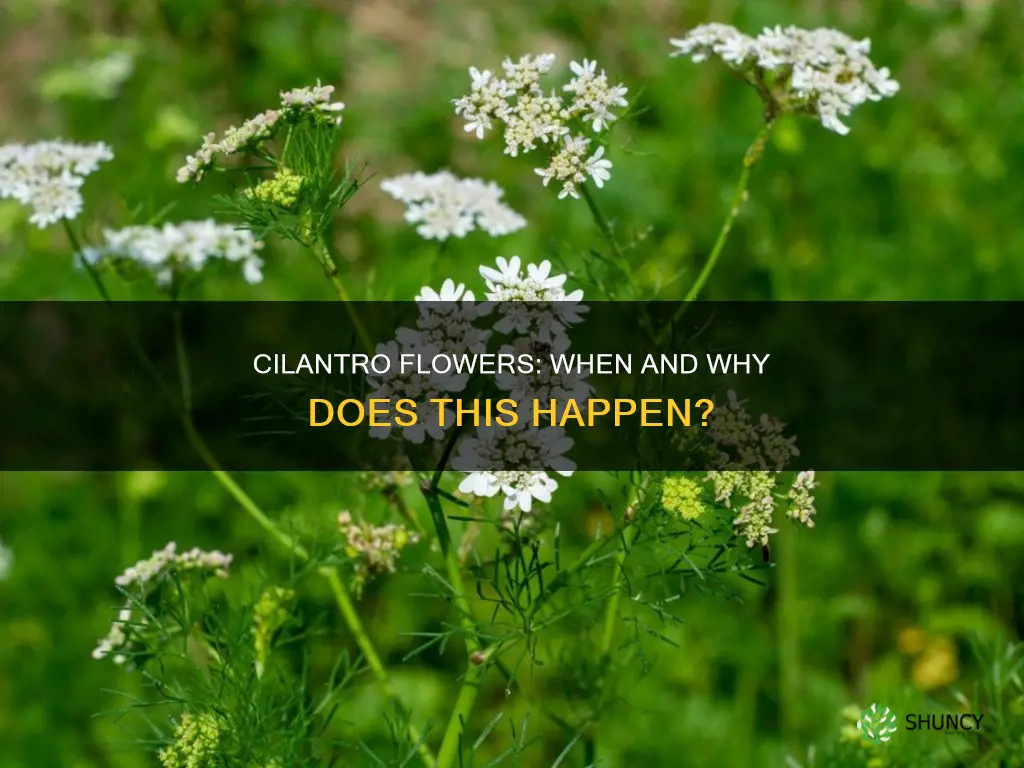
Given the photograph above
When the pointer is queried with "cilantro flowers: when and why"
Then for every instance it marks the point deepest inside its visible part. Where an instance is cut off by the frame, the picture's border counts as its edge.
(561, 121)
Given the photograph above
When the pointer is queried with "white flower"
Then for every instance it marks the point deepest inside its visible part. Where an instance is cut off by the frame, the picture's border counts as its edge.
(515, 462)
(47, 177)
(421, 388)
(446, 326)
(485, 102)
(181, 247)
(821, 71)
(534, 305)
(571, 166)
(599, 167)
(147, 575)
(801, 498)
(313, 99)
(544, 384)
(380, 545)
(757, 490)
(533, 117)
(594, 97)
(721, 40)
(449, 292)
(741, 444)
(167, 560)
(519, 488)
(444, 205)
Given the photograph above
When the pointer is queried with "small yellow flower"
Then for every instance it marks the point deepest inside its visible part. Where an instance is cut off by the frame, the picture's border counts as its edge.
(682, 495)
(195, 743)
(283, 189)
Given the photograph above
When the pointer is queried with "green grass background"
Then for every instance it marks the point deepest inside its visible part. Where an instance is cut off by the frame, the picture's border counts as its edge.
(921, 201)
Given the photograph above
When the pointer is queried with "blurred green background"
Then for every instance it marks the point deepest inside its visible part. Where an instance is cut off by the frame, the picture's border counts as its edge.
(921, 201)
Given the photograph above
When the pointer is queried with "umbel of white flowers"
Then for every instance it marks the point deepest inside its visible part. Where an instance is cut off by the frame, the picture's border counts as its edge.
(821, 72)
(532, 117)
(444, 205)
(47, 177)
(178, 248)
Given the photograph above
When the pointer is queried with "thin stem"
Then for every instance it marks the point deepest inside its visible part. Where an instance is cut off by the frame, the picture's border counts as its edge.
(184, 374)
(89, 268)
(627, 538)
(451, 745)
(739, 196)
(287, 141)
(611, 614)
(602, 223)
(565, 575)
(331, 270)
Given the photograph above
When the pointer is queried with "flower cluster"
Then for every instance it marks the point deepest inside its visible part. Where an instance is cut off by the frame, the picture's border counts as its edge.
(147, 575)
(681, 495)
(176, 248)
(515, 461)
(269, 615)
(195, 743)
(282, 189)
(443, 205)
(534, 304)
(531, 116)
(801, 498)
(544, 384)
(446, 325)
(821, 71)
(740, 443)
(754, 494)
(47, 177)
(168, 560)
(312, 103)
(421, 388)
(373, 548)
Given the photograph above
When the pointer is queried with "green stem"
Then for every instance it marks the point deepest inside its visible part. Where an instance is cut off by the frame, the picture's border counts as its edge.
(89, 268)
(602, 223)
(739, 195)
(331, 270)
(611, 615)
(184, 374)
(627, 539)
(451, 745)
